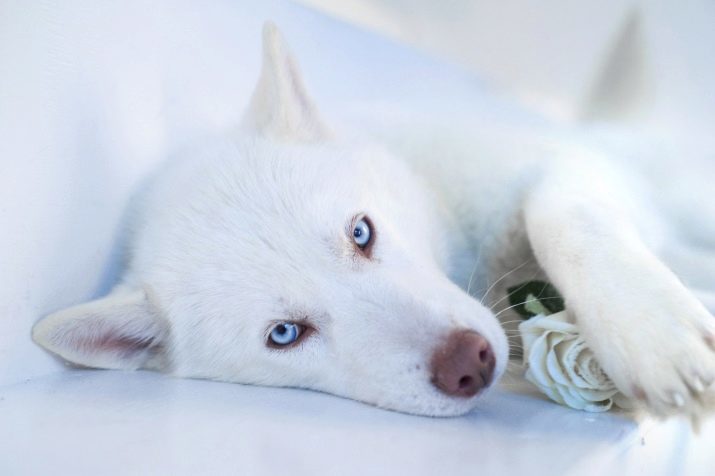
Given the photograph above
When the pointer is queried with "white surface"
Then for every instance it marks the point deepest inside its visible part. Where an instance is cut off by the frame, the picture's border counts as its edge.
(101, 422)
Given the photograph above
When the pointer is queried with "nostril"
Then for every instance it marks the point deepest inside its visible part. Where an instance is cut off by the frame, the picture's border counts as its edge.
(463, 365)
(465, 382)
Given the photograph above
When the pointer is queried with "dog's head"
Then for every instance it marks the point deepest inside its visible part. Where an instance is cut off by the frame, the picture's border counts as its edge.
(289, 258)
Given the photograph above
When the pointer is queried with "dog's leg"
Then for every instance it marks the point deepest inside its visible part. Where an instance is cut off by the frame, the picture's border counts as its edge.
(651, 335)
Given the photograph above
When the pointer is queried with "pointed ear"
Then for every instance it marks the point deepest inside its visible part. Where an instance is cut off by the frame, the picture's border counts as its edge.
(280, 107)
(120, 331)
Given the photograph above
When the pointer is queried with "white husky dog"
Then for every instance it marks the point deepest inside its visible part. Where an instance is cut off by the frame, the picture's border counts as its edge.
(282, 255)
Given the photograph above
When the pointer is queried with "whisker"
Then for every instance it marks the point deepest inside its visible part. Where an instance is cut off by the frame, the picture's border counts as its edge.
(512, 321)
(476, 265)
(486, 293)
(506, 296)
(514, 380)
(522, 303)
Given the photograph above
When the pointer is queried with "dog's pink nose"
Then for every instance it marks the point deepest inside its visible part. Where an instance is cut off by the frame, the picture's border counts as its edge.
(463, 365)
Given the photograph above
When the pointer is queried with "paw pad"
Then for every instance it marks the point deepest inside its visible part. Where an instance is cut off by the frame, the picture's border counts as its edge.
(698, 385)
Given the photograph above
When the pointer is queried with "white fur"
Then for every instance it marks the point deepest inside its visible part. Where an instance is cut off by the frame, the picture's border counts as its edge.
(238, 233)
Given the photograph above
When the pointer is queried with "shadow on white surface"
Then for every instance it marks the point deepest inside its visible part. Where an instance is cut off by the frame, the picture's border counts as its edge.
(102, 422)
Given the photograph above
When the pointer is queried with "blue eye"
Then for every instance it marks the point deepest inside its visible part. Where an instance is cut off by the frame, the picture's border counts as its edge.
(362, 233)
(285, 333)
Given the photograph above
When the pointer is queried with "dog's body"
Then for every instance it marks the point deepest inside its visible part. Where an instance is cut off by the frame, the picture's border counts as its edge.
(242, 235)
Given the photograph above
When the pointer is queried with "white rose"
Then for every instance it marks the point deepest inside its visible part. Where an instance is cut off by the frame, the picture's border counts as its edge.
(559, 363)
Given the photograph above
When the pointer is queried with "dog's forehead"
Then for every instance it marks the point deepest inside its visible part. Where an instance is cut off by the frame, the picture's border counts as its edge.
(258, 202)
(309, 180)
(306, 197)
(298, 193)
(238, 218)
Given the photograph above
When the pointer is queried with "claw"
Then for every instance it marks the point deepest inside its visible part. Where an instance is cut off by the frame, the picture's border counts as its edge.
(678, 400)
(697, 385)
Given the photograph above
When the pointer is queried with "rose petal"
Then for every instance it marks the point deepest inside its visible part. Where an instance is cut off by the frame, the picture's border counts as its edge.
(545, 389)
(570, 361)
(537, 326)
(537, 361)
(554, 363)
(572, 399)
(599, 407)
(529, 334)
(566, 352)
(592, 401)
(558, 322)
(596, 395)
(592, 372)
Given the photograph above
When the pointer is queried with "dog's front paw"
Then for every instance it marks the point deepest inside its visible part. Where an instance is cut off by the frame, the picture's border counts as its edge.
(659, 350)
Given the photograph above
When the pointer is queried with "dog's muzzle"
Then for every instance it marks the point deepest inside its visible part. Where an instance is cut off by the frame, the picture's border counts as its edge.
(463, 365)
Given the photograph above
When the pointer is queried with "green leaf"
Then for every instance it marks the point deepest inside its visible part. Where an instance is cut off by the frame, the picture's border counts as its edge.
(535, 297)
(533, 306)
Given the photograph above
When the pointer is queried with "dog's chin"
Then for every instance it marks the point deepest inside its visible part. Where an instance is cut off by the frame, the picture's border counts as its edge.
(425, 400)
(437, 408)
(429, 405)
(429, 402)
